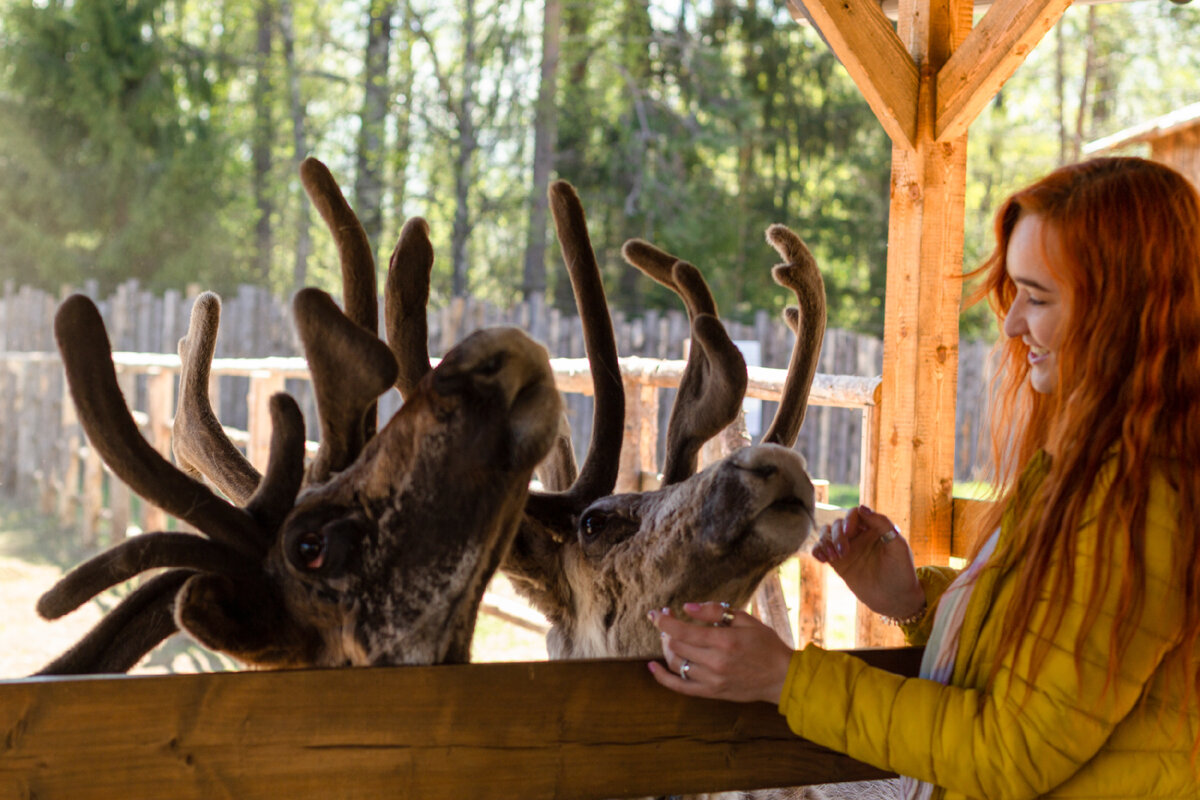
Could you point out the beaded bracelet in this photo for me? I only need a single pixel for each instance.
(911, 619)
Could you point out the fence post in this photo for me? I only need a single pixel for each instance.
(263, 384)
(639, 450)
(160, 402)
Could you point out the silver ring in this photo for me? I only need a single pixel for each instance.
(683, 669)
(889, 535)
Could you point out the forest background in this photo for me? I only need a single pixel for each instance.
(160, 139)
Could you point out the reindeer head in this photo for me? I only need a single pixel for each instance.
(594, 563)
(380, 551)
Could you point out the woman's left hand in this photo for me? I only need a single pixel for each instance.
(742, 661)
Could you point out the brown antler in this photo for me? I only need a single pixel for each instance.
(87, 359)
(145, 617)
(714, 380)
(354, 252)
(199, 442)
(800, 274)
(350, 368)
(406, 294)
(125, 634)
(598, 475)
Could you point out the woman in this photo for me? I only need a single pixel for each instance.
(1063, 661)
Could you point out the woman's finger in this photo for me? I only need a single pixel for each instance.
(675, 683)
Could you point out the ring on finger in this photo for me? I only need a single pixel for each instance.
(726, 617)
(684, 668)
(889, 535)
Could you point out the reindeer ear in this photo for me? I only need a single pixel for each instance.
(245, 619)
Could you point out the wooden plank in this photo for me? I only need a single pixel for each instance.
(967, 515)
(529, 730)
(923, 295)
(988, 57)
(863, 40)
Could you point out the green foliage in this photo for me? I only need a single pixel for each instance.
(108, 166)
(127, 128)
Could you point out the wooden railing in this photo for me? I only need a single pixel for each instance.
(69, 479)
(552, 730)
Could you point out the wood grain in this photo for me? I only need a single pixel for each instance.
(529, 730)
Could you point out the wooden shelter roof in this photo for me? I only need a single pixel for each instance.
(1177, 121)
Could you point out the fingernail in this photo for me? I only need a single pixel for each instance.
(653, 667)
(662, 634)
(666, 612)
(652, 615)
(690, 607)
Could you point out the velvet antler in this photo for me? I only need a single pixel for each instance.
(799, 273)
(714, 380)
(598, 475)
(199, 442)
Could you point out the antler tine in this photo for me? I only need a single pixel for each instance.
(354, 250)
(133, 557)
(710, 390)
(125, 634)
(87, 359)
(660, 265)
(406, 295)
(276, 494)
(359, 289)
(199, 442)
(598, 475)
(350, 369)
(714, 380)
(800, 274)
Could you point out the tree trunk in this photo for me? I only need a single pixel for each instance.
(368, 184)
(572, 135)
(544, 130)
(264, 135)
(1085, 82)
(299, 114)
(465, 157)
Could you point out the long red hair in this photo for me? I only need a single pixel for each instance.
(1128, 389)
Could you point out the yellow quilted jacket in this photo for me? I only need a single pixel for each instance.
(1070, 736)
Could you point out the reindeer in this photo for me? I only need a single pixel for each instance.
(368, 556)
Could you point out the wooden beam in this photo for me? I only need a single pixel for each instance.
(923, 293)
(863, 40)
(988, 57)
(529, 730)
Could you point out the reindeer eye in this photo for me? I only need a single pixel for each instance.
(311, 549)
(592, 524)
(491, 366)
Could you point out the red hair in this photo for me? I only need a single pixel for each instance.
(1128, 389)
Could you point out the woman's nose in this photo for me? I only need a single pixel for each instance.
(1014, 321)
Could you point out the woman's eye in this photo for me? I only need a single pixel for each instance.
(311, 549)
(592, 524)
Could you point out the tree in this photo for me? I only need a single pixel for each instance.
(108, 166)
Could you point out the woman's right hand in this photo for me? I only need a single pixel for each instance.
(866, 550)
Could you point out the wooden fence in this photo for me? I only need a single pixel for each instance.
(256, 324)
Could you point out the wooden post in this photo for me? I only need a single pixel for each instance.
(258, 423)
(925, 96)
(120, 498)
(639, 450)
(160, 402)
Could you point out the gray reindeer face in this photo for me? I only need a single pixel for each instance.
(372, 567)
(711, 537)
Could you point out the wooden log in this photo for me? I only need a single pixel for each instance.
(600, 729)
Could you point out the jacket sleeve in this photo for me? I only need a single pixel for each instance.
(934, 581)
(1020, 738)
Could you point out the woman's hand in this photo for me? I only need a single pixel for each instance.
(740, 659)
(874, 560)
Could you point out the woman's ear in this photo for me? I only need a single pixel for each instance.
(244, 619)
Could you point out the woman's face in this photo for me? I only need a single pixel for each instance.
(1039, 312)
